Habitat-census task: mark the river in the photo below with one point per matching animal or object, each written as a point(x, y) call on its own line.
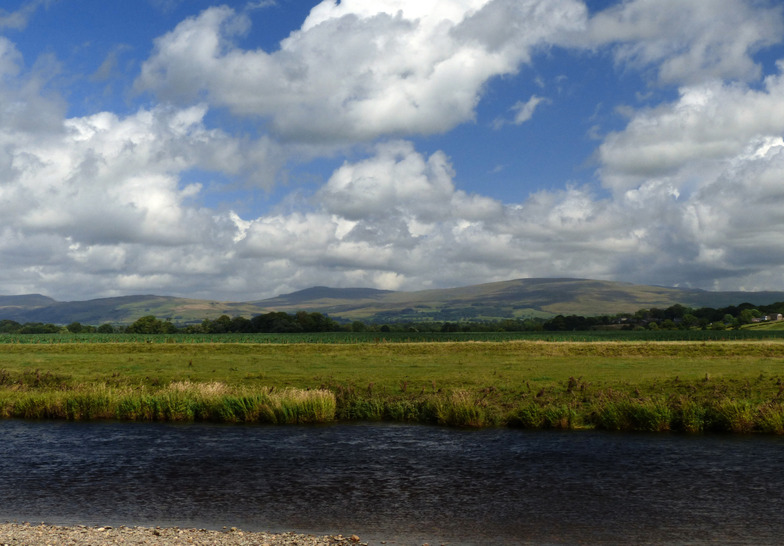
point(406, 484)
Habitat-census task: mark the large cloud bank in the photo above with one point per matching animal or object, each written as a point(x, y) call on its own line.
point(687, 192)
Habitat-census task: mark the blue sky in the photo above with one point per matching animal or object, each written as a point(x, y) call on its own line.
point(241, 150)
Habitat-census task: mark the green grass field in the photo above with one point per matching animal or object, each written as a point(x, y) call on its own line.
point(691, 386)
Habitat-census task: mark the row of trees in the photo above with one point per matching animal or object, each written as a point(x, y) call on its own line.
point(673, 317)
point(13, 327)
point(276, 322)
point(679, 316)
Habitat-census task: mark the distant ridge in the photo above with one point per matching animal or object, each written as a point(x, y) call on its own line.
point(25, 301)
point(326, 293)
point(519, 298)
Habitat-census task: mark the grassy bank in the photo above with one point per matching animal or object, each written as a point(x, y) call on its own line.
point(683, 386)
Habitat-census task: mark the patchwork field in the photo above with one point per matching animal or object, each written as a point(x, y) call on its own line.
point(692, 386)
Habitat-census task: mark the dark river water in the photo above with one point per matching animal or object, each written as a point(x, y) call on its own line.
point(404, 484)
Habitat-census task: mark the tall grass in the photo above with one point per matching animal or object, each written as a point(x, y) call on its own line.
point(546, 416)
point(462, 408)
point(770, 418)
point(648, 415)
point(605, 409)
point(691, 416)
point(178, 401)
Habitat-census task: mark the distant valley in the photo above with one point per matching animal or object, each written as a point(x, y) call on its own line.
point(520, 298)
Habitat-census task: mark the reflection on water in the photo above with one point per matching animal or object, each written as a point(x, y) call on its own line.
point(410, 484)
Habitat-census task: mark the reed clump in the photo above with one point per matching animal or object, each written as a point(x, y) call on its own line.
point(179, 401)
point(771, 418)
point(537, 416)
point(690, 415)
point(605, 409)
point(675, 405)
point(462, 408)
point(629, 414)
point(457, 408)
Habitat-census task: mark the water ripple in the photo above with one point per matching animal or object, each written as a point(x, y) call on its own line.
point(412, 484)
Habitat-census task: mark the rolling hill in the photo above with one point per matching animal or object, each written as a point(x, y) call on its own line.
point(520, 298)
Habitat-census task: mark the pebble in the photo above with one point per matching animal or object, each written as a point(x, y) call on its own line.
point(27, 534)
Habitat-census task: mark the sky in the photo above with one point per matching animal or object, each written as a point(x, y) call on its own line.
point(236, 151)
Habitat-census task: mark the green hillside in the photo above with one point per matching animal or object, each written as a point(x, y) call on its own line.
point(520, 298)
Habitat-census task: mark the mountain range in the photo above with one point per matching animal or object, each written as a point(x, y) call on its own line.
point(520, 298)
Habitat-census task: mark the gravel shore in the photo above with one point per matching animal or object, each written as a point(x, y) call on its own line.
point(53, 535)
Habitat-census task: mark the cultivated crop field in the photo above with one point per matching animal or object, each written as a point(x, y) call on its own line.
point(286, 338)
point(692, 386)
point(759, 334)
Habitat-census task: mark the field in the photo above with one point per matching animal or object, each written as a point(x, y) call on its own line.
point(691, 386)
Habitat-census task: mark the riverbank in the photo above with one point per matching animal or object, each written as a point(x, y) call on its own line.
point(628, 386)
point(54, 535)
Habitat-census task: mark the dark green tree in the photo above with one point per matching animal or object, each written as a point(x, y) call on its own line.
point(75, 327)
point(151, 325)
point(9, 326)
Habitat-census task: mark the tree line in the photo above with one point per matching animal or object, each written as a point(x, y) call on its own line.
point(674, 317)
point(274, 322)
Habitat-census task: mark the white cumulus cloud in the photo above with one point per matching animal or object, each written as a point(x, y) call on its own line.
point(688, 41)
point(358, 70)
point(708, 124)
